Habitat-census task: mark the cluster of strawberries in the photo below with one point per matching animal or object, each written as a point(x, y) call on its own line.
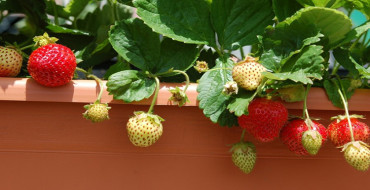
point(50, 65)
point(268, 119)
point(54, 65)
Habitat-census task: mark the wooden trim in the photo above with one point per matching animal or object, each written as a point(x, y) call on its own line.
point(85, 91)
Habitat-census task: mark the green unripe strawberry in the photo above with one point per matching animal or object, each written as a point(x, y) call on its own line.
point(248, 73)
point(244, 156)
point(96, 112)
point(10, 62)
point(144, 129)
point(357, 154)
point(311, 141)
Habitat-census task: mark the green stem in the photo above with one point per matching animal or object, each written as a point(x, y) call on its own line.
point(365, 36)
point(56, 17)
point(101, 85)
point(114, 9)
point(97, 79)
point(26, 47)
point(242, 136)
point(82, 70)
point(341, 86)
point(345, 103)
point(305, 102)
point(367, 43)
point(186, 78)
point(242, 53)
point(259, 88)
point(219, 52)
point(357, 40)
point(306, 116)
point(335, 68)
point(155, 95)
point(349, 13)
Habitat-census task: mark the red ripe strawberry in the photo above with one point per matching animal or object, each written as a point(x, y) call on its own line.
point(265, 119)
point(10, 62)
point(339, 132)
point(52, 65)
point(291, 135)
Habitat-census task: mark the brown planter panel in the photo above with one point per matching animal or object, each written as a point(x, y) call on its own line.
point(47, 145)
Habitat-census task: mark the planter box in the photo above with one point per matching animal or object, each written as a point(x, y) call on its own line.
point(45, 144)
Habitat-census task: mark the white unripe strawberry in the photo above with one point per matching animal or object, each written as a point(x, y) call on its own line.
point(357, 154)
point(248, 73)
point(96, 112)
point(244, 156)
point(10, 62)
point(144, 129)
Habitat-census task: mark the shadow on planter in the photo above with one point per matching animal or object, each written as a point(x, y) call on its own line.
point(6, 83)
point(62, 93)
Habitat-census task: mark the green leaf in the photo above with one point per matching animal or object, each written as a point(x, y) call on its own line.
point(280, 51)
point(308, 22)
point(330, 22)
point(355, 33)
point(60, 29)
point(136, 43)
point(362, 70)
point(124, 11)
point(361, 5)
point(130, 85)
point(75, 7)
point(126, 2)
point(239, 104)
point(238, 22)
point(117, 67)
point(331, 88)
point(292, 93)
point(343, 58)
point(51, 7)
point(303, 67)
point(176, 55)
point(211, 99)
point(227, 119)
point(35, 11)
point(332, 92)
point(186, 20)
point(322, 3)
point(95, 53)
point(140, 46)
point(285, 8)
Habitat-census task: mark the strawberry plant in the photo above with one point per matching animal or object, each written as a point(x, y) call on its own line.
point(293, 45)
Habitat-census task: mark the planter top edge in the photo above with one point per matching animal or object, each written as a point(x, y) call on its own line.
point(85, 91)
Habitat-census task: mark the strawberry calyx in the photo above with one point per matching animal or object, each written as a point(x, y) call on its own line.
point(44, 40)
point(201, 66)
point(357, 154)
point(243, 146)
point(230, 88)
point(178, 97)
point(342, 117)
point(356, 144)
point(143, 115)
point(250, 59)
